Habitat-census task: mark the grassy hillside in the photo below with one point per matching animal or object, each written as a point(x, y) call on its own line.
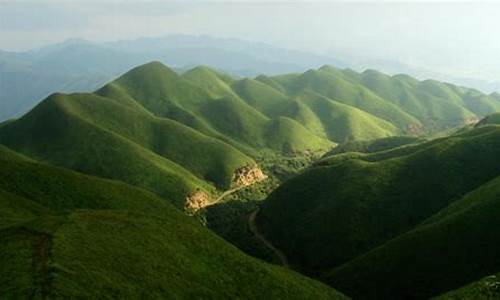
point(435, 104)
point(139, 127)
point(350, 204)
point(340, 105)
point(204, 100)
point(73, 236)
point(487, 288)
point(55, 133)
point(491, 119)
point(341, 90)
point(376, 145)
point(452, 248)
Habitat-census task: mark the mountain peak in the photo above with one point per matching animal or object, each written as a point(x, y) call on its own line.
point(328, 68)
point(154, 70)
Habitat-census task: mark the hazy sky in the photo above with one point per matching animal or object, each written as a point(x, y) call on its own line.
point(446, 34)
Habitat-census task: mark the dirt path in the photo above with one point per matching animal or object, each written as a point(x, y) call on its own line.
point(223, 195)
point(262, 238)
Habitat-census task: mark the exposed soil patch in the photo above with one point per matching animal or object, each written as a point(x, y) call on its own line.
point(247, 175)
point(197, 200)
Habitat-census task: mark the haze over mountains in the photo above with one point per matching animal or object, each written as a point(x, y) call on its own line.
point(393, 212)
point(249, 150)
point(80, 66)
point(156, 115)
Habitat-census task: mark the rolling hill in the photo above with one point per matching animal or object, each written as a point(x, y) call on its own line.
point(77, 65)
point(483, 289)
point(452, 248)
point(373, 208)
point(351, 207)
point(68, 235)
point(139, 127)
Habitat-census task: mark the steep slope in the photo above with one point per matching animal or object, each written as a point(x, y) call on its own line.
point(485, 289)
point(376, 145)
point(351, 203)
point(434, 103)
point(92, 238)
point(343, 122)
point(341, 90)
point(287, 135)
point(217, 85)
point(260, 96)
point(54, 133)
point(452, 248)
point(491, 119)
point(202, 99)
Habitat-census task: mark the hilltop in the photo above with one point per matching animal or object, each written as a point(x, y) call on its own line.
point(354, 216)
point(68, 235)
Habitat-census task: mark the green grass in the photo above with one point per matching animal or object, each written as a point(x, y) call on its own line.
point(350, 204)
point(342, 122)
point(487, 288)
point(341, 90)
point(376, 145)
point(92, 238)
point(454, 247)
point(491, 119)
point(229, 219)
point(237, 113)
point(52, 133)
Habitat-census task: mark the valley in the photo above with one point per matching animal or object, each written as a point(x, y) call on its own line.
point(326, 184)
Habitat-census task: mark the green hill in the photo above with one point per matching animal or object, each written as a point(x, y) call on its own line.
point(454, 247)
point(139, 127)
point(204, 100)
point(491, 119)
point(340, 105)
point(351, 203)
point(68, 235)
point(376, 145)
point(56, 132)
point(435, 104)
point(485, 289)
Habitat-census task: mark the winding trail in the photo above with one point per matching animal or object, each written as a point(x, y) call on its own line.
point(224, 194)
point(266, 242)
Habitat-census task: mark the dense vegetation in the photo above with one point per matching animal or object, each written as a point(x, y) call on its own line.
point(452, 248)
point(156, 116)
point(376, 145)
point(358, 217)
point(67, 235)
point(389, 213)
point(487, 288)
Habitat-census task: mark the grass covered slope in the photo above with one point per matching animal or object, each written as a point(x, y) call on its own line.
point(350, 204)
point(434, 104)
point(204, 100)
point(337, 105)
point(456, 246)
point(86, 237)
point(55, 133)
point(337, 88)
point(487, 288)
point(491, 119)
point(376, 145)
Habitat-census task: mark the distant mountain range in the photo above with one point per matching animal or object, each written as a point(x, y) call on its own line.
point(83, 66)
point(93, 187)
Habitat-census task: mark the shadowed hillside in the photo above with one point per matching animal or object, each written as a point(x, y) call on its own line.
point(67, 235)
point(352, 203)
